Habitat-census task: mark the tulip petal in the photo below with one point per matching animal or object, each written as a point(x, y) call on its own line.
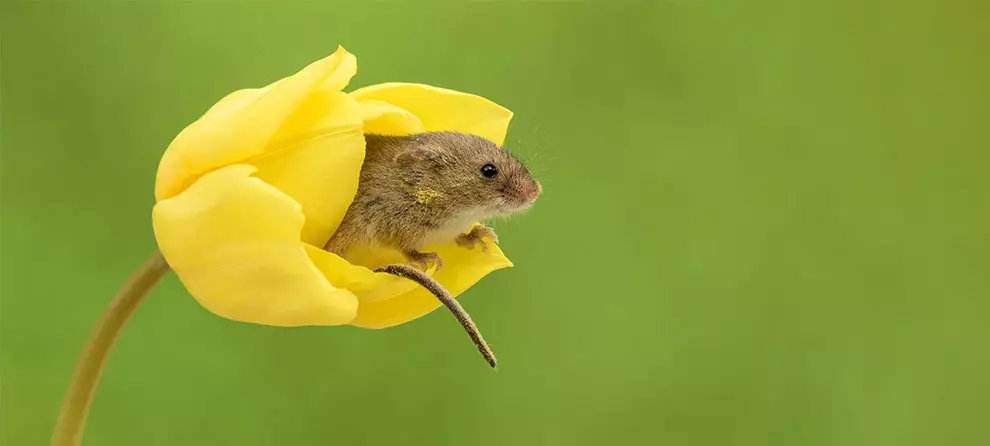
point(237, 100)
point(441, 109)
point(462, 269)
point(316, 160)
point(233, 240)
point(241, 125)
point(366, 284)
point(382, 118)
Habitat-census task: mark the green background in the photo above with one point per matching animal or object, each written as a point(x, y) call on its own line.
point(764, 223)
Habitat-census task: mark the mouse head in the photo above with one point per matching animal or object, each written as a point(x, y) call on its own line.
point(474, 174)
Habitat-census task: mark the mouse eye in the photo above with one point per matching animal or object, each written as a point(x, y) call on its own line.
point(489, 170)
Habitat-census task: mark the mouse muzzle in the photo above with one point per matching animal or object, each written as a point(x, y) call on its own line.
point(524, 194)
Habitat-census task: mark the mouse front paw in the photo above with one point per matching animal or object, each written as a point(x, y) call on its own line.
point(476, 237)
point(423, 260)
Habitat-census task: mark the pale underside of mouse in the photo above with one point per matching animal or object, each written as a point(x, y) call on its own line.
point(432, 187)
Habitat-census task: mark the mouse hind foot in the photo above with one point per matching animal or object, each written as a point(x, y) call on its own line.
point(423, 260)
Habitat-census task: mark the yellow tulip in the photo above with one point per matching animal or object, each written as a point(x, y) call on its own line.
point(247, 195)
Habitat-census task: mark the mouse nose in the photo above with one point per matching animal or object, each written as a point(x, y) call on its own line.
point(535, 193)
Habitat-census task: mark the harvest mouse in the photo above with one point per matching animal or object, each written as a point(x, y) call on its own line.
point(431, 187)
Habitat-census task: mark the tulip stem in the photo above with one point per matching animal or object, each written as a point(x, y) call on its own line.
point(82, 387)
point(448, 301)
point(86, 376)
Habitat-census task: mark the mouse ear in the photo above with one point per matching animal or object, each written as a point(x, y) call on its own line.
point(416, 162)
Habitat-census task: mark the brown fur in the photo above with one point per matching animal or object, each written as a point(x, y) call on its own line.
point(428, 187)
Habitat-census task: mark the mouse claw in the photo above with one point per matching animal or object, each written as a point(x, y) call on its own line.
point(423, 260)
point(476, 237)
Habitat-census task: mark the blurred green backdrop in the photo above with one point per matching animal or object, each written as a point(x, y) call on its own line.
point(765, 223)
